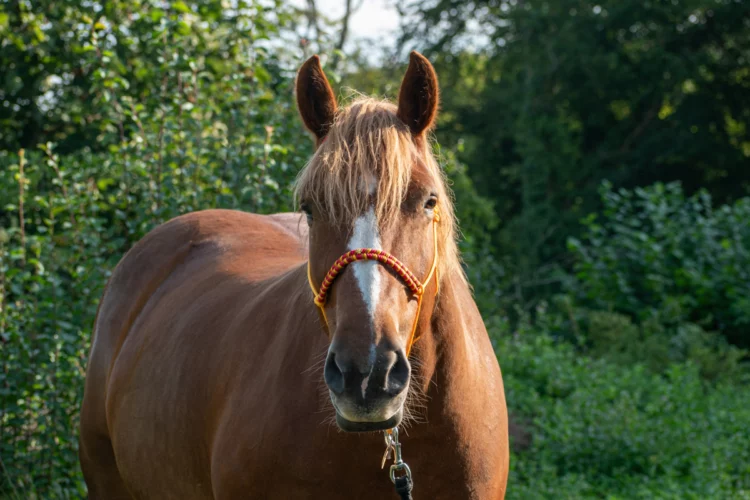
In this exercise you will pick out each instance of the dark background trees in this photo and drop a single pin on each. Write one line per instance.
(550, 98)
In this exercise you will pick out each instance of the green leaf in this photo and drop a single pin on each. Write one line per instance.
(182, 28)
(180, 6)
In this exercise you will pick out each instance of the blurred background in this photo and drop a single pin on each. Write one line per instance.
(600, 158)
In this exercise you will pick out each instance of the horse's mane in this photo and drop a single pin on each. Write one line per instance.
(368, 141)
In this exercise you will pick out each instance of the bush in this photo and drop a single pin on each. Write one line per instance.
(661, 277)
(608, 431)
(477, 219)
(208, 121)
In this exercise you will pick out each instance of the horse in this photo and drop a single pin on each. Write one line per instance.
(237, 355)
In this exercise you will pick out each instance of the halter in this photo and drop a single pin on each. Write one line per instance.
(408, 277)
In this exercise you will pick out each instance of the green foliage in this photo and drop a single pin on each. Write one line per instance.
(51, 273)
(552, 97)
(660, 276)
(477, 220)
(655, 253)
(614, 336)
(627, 383)
(189, 112)
(62, 60)
(608, 431)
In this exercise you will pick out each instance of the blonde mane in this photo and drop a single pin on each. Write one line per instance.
(368, 142)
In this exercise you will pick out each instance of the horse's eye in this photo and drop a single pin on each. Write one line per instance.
(308, 212)
(431, 203)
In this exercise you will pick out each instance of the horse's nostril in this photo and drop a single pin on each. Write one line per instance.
(333, 376)
(386, 378)
(398, 375)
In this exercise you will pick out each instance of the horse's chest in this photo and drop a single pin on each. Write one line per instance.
(336, 465)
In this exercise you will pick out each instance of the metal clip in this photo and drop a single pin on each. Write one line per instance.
(392, 444)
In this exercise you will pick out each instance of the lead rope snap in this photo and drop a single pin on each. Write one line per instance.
(400, 472)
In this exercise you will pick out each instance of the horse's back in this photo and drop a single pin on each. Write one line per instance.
(256, 247)
(158, 328)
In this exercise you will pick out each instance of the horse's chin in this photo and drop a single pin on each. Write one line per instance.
(349, 426)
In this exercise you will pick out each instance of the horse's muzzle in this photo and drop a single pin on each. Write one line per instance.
(368, 394)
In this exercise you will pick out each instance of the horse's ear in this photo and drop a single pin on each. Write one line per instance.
(315, 99)
(419, 96)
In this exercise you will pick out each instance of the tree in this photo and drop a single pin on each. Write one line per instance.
(57, 55)
(551, 97)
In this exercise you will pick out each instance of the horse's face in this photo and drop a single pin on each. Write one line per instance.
(370, 312)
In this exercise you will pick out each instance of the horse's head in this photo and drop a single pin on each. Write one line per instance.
(373, 183)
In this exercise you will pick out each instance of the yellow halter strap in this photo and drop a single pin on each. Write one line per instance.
(417, 287)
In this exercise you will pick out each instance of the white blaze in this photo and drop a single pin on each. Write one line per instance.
(367, 235)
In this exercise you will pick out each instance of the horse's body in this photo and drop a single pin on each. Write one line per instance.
(205, 379)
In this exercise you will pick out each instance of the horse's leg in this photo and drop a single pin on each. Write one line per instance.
(100, 469)
(94, 444)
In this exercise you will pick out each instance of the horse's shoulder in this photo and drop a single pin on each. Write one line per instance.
(256, 245)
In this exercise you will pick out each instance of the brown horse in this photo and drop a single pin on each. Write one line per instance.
(213, 374)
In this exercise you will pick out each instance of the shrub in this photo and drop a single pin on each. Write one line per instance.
(609, 431)
(476, 215)
(662, 277)
(206, 121)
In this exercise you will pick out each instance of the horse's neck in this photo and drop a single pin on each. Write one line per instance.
(466, 419)
(457, 367)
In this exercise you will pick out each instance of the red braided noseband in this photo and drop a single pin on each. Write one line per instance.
(383, 257)
(367, 254)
